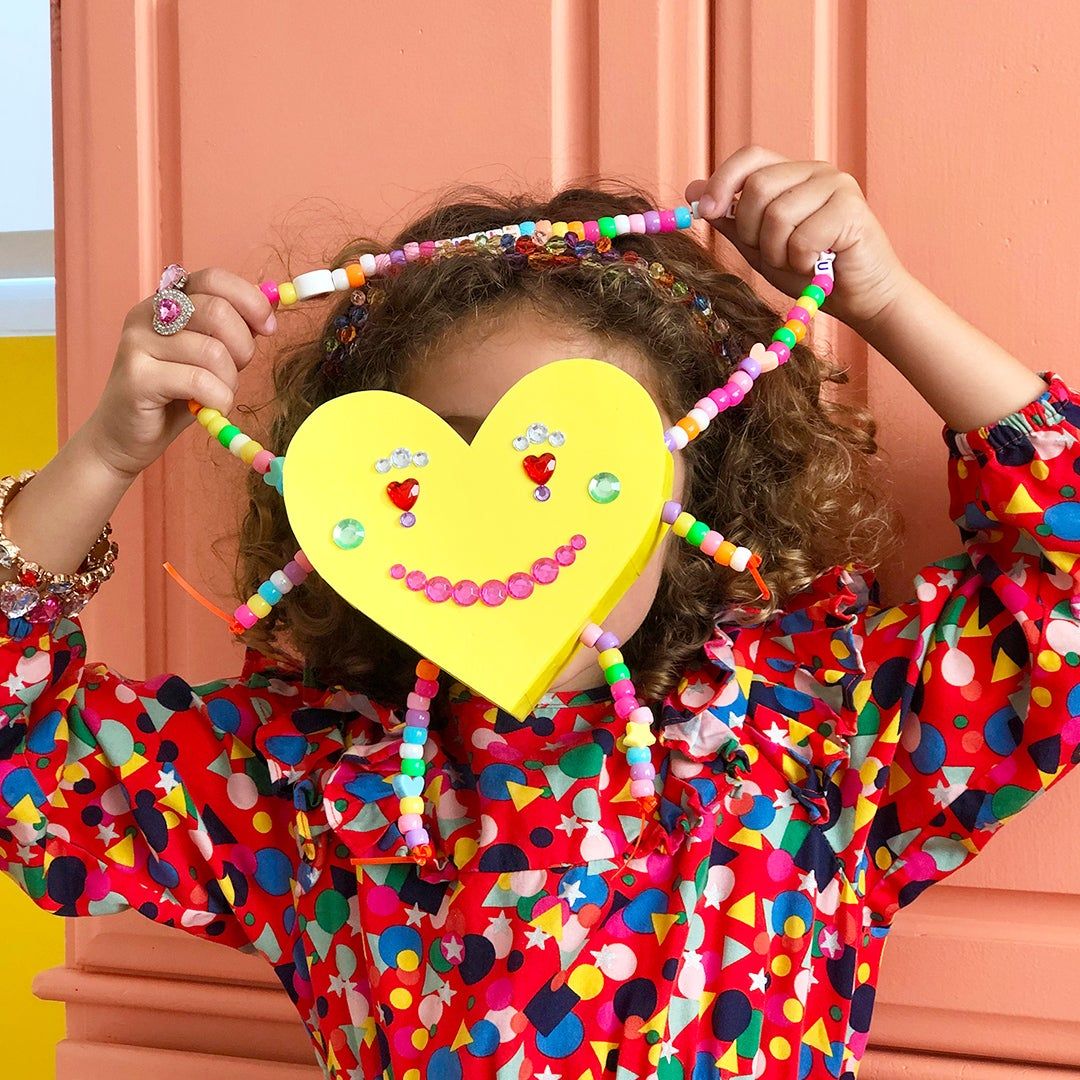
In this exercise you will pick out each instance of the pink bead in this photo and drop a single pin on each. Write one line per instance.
(799, 314)
(577, 542)
(592, 231)
(711, 542)
(642, 715)
(780, 351)
(426, 687)
(427, 249)
(667, 221)
(742, 380)
(245, 616)
(412, 252)
(397, 571)
(708, 407)
(565, 555)
(652, 221)
(720, 398)
(418, 702)
(622, 688)
(416, 580)
(734, 392)
(545, 571)
(493, 593)
(261, 462)
(519, 586)
(302, 560)
(382, 264)
(409, 821)
(637, 223)
(414, 838)
(294, 572)
(624, 706)
(824, 282)
(642, 789)
(466, 593)
(270, 291)
(642, 771)
(590, 635)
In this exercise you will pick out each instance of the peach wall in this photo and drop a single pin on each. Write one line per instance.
(192, 129)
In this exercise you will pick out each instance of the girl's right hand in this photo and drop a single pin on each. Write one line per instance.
(144, 404)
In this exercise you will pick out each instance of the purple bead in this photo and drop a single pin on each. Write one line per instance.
(466, 593)
(408, 519)
(720, 398)
(294, 572)
(493, 593)
(671, 511)
(519, 586)
(565, 555)
(397, 571)
(669, 442)
(416, 580)
(642, 771)
(734, 392)
(382, 265)
(397, 258)
(416, 837)
(750, 366)
(542, 493)
(438, 589)
(577, 542)
(607, 640)
(545, 571)
(652, 221)
(417, 717)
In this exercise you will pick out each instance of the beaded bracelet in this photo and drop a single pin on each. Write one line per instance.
(36, 594)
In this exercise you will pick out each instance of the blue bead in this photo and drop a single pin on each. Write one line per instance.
(417, 735)
(638, 755)
(269, 592)
(683, 217)
(527, 228)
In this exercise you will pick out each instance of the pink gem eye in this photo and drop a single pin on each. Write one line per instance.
(577, 542)
(397, 571)
(438, 589)
(466, 593)
(545, 571)
(416, 580)
(565, 555)
(493, 593)
(519, 586)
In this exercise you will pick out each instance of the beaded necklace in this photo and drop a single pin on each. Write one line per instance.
(534, 245)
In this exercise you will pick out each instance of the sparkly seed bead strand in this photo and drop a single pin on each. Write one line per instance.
(250, 452)
(698, 534)
(316, 283)
(409, 783)
(638, 735)
(258, 604)
(761, 358)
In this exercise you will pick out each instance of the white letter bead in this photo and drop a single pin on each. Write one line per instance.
(367, 264)
(341, 280)
(280, 582)
(313, 283)
(740, 557)
(622, 224)
(700, 417)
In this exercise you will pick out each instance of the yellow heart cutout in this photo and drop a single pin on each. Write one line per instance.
(477, 519)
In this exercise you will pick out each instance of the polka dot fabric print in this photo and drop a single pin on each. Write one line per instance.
(815, 774)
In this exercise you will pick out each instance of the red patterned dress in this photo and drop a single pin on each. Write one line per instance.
(816, 774)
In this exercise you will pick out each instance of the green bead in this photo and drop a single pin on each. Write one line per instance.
(786, 336)
(607, 226)
(412, 766)
(815, 292)
(696, 533)
(227, 434)
(616, 672)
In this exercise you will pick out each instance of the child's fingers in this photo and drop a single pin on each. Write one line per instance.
(823, 230)
(715, 197)
(217, 317)
(785, 214)
(248, 299)
(761, 189)
(192, 349)
(181, 382)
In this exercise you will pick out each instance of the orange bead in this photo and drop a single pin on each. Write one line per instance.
(356, 276)
(425, 669)
(193, 406)
(724, 553)
(797, 328)
(690, 426)
(577, 228)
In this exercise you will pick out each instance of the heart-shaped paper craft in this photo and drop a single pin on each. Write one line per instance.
(481, 523)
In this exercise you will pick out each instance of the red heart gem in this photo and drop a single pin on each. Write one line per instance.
(539, 469)
(403, 493)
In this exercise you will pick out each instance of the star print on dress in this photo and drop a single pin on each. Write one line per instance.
(816, 774)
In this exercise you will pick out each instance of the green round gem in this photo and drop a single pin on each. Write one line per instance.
(604, 487)
(227, 434)
(786, 336)
(607, 226)
(815, 292)
(412, 766)
(348, 533)
(696, 533)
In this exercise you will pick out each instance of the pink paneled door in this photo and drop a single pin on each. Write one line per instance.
(242, 133)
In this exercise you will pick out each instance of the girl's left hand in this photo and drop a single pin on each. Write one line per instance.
(788, 212)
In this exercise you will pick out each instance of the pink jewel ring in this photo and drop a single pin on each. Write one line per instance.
(172, 307)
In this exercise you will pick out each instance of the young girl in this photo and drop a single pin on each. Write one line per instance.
(820, 760)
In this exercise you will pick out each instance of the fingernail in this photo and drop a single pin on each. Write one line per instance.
(707, 206)
(271, 324)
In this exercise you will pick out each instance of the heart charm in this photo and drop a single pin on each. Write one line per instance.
(766, 360)
(403, 493)
(495, 590)
(539, 469)
(404, 786)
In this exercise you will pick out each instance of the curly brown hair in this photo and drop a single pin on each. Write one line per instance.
(789, 473)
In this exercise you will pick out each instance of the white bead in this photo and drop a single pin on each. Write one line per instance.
(341, 280)
(740, 557)
(700, 417)
(411, 750)
(708, 407)
(313, 283)
(280, 582)
(512, 230)
(238, 440)
(622, 224)
(367, 264)
(679, 437)
(694, 209)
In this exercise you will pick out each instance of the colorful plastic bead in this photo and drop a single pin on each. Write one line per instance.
(590, 635)
(616, 672)
(609, 658)
(697, 532)
(286, 294)
(642, 789)
(607, 226)
(638, 755)
(624, 706)
(683, 523)
(607, 640)
(270, 291)
(428, 671)
(670, 512)
(269, 592)
(785, 336)
(258, 605)
(710, 542)
(411, 804)
(815, 292)
(413, 766)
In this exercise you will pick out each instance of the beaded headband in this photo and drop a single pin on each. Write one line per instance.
(537, 245)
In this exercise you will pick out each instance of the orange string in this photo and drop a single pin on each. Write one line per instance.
(194, 593)
(756, 575)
